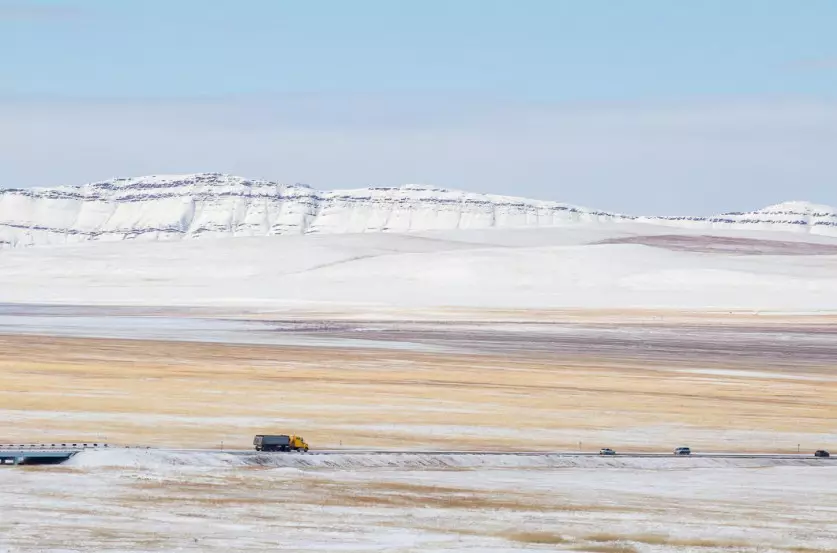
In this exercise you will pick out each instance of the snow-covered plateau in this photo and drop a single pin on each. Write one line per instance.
(165, 207)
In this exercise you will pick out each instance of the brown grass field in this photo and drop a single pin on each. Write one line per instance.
(202, 395)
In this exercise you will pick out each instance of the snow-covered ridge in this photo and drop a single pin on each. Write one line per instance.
(166, 207)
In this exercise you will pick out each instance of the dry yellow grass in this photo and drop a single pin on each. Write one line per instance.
(658, 539)
(200, 395)
(542, 538)
(606, 548)
(234, 492)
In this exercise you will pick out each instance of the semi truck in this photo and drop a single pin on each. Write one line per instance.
(279, 442)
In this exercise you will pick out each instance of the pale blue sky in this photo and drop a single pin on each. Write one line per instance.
(636, 106)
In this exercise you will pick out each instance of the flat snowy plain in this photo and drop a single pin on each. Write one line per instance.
(624, 265)
(630, 336)
(153, 501)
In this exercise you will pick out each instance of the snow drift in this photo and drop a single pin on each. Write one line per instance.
(161, 459)
(210, 204)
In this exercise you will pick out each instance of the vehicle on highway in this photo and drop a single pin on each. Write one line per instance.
(821, 453)
(279, 442)
(682, 451)
(607, 451)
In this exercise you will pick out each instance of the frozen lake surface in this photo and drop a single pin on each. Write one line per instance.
(142, 324)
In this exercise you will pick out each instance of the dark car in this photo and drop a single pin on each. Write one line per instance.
(682, 451)
(821, 453)
(607, 451)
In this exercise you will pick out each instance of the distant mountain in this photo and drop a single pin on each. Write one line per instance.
(171, 207)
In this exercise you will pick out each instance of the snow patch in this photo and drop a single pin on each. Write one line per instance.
(158, 459)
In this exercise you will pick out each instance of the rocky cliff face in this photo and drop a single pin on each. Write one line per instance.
(210, 204)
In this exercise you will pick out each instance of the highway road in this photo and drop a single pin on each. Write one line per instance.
(41, 454)
(517, 453)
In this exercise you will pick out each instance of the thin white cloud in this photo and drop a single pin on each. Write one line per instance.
(680, 158)
(814, 64)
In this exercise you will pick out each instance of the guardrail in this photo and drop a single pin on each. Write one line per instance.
(68, 445)
(57, 445)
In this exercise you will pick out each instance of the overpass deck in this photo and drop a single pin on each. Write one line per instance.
(43, 454)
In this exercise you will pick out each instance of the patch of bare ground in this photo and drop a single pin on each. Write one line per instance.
(528, 537)
(726, 244)
(542, 538)
(334, 497)
(657, 540)
(417, 495)
(669, 541)
(534, 538)
(469, 501)
(87, 538)
(606, 548)
(234, 491)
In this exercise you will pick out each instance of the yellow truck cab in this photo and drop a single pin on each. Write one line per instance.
(298, 443)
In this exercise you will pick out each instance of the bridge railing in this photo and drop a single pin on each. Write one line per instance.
(58, 445)
(68, 445)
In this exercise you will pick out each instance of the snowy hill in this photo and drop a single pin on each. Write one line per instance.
(604, 265)
(170, 207)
